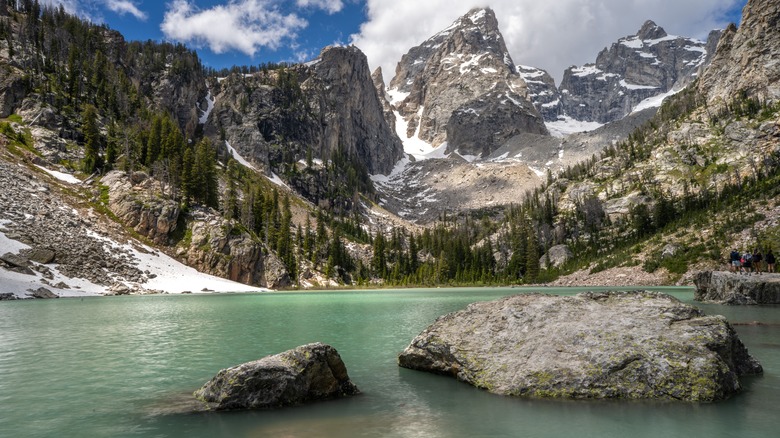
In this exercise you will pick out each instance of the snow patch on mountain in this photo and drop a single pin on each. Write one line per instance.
(238, 156)
(210, 101)
(654, 102)
(413, 145)
(65, 177)
(566, 126)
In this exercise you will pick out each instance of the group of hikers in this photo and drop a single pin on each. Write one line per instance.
(750, 262)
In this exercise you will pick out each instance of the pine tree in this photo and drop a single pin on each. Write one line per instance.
(204, 175)
(379, 259)
(92, 141)
(187, 182)
(532, 260)
(231, 196)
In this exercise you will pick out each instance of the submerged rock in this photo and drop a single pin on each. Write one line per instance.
(304, 374)
(636, 345)
(737, 289)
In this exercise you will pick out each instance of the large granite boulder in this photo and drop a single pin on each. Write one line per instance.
(634, 345)
(304, 374)
(730, 288)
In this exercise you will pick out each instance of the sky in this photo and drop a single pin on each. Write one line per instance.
(551, 35)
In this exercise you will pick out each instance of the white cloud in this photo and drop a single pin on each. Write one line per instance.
(547, 34)
(125, 7)
(91, 9)
(243, 25)
(331, 6)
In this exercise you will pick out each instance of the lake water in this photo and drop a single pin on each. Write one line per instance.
(124, 367)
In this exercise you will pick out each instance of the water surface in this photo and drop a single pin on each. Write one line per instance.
(124, 366)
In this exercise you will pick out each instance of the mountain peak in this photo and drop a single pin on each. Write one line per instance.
(651, 31)
(479, 15)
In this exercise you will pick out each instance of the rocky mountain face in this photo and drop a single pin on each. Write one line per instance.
(457, 77)
(212, 244)
(633, 69)
(327, 105)
(747, 59)
(542, 91)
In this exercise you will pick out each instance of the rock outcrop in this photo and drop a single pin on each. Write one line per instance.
(34, 214)
(304, 374)
(633, 69)
(632, 345)
(136, 201)
(737, 289)
(746, 61)
(12, 89)
(451, 74)
(219, 247)
(213, 244)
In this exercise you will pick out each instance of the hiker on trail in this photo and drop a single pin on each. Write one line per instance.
(734, 263)
(747, 262)
(757, 257)
(770, 261)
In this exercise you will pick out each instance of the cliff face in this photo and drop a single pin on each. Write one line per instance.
(328, 105)
(456, 70)
(747, 59)
(482, 125)
(542, 91)
(633, 69)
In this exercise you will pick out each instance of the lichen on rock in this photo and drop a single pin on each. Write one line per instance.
(629, 345)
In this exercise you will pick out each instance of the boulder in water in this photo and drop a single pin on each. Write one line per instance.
(304, 374)
(632, 345)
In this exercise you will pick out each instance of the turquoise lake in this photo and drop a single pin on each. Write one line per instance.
(125, 366)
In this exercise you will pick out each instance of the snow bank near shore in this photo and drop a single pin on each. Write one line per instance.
(165, 273)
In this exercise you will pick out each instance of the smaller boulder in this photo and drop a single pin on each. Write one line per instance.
(669, 251)
(17, 263)
(40, 255)
(304, 374)
(558, 255)
(42, 293)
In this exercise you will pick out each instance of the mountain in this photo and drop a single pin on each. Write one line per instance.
(461, 86)
(276, 117)
(635, 68)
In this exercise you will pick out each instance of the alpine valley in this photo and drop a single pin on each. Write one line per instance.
(129, 167)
